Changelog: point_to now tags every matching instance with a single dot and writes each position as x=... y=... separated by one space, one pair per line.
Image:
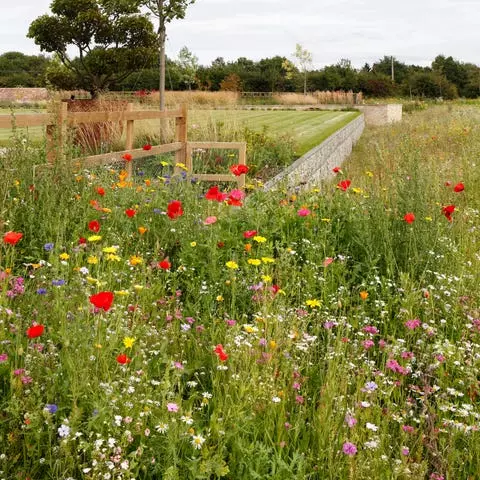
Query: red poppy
x=147 y=147
x=344 y=184
x=123 y=359
x=234 y=202
x=220 y=244
x=164 y=264
x=238 y=170
x=448 y=211
x=127 y=157
x=94 y=226
x=337 y=170
x=448 y=183
x=130 y=212
x=102 y=300
x=35 y=331
x=101 y=191
x=174 y=209
x=12 y=238
x=409 y=217
x=214 y=194
x=82 y=241
x=459 y=187
x=249 y=233
x=222 y=356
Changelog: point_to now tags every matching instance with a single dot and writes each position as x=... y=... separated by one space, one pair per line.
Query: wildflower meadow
x=155 y=327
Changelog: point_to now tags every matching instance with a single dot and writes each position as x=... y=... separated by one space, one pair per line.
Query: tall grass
x=304 y=335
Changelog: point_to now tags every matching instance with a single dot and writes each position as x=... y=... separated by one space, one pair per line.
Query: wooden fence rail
x=58 y=123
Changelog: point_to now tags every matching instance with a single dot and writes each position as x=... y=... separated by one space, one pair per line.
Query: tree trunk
x=161 y=50
x=162 y=37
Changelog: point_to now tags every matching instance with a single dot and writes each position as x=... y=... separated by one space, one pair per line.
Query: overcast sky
x=414 y=31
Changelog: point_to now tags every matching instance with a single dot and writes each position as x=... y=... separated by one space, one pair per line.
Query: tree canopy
x=111 y=38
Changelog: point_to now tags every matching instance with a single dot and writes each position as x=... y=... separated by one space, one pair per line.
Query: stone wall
x=23 y=95
x=317 y=164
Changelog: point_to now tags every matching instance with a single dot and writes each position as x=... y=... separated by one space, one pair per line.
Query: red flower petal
x=35 y=331
x=123 y=359
x=12 y=238
x=102 y=300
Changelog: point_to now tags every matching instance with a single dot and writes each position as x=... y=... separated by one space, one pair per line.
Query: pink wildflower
x=349 y=449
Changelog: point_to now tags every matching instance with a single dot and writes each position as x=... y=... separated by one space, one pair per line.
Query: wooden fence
x=57 y=126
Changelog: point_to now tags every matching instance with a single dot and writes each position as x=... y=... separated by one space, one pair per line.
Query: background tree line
x=446 y=77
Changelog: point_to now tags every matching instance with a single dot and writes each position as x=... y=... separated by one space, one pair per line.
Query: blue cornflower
x=51 y=408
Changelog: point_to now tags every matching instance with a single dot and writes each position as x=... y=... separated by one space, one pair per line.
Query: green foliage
x=112 y=40
x=188 y=65
x=19 y=70
x=309 y=364
x=431 y=85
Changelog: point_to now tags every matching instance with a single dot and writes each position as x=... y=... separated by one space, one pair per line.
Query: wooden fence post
x=129 y=138
x=57 y=134
x=242 y=160
x=181 y=136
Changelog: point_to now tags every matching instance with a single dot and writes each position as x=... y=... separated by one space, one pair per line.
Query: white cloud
x=415 y=31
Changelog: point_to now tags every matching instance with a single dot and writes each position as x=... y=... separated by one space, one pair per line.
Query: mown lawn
x=307 y=129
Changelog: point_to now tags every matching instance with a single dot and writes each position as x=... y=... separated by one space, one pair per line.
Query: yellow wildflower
x=232 y=265
x=259 y=239
x=267 y=278
x=64 y=256
x=92 y=260
x=219 y=298
x=122 y=293
x=193 y=244
x=254 y=261
x=313 y=303
x=112 y=249
x=135 y=260
x=112 y=257
x=268 y=260
x=94 y=238
x=128 y=342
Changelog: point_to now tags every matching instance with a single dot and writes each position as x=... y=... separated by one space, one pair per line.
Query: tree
x=165 y=11
x=231 y=83
x=188 y=64
x=384 y=67
x=19 y=70
x=112 y=39
x=304 y=59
